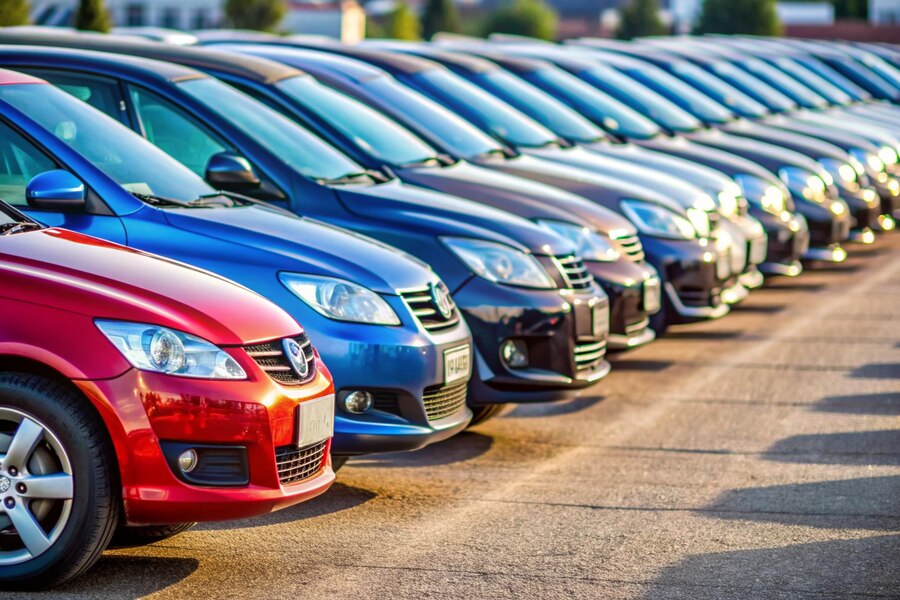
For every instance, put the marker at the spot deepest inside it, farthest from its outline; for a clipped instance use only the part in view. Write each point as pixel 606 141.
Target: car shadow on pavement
pixel 880 447
pixel 865 567
pixel 861 404
pixel 460 448
pixel 145 575
pixel 630 364
pixel 340 497
pixel 768 309
pixel 792 285
pixel 877 371
pixel 553 409
pixel 687 335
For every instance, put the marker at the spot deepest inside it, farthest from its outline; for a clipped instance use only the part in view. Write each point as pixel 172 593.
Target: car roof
pixel 468 62
pixel 256 69
pixel 313 61
pixel 391 61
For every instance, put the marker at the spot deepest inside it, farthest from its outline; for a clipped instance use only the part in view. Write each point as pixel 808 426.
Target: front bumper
pixel 688 270
pixel 634 293
pixel 143 408
pixel 788 241
pixel 566 352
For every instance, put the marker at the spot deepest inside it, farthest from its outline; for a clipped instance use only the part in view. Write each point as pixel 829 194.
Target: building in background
pixel 884 12
pixel 342 19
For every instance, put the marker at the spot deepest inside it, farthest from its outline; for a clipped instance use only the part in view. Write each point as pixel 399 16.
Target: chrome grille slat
pixel 589 355
pixel 573 272
pixel 637 327
pixel 631 246
pixel 271 359
pixel 298 464
pixel 442 401
pixel 426 311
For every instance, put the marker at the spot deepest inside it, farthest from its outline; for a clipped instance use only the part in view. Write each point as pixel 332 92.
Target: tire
pixel 53 430
pixel 663 318
pixel 482 413
pixel 337 462
pixel 141 535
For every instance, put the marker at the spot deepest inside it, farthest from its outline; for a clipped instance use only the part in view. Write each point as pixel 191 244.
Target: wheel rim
pixel 36 487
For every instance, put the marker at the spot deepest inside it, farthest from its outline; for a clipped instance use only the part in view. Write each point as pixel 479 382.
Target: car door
pixel 21 160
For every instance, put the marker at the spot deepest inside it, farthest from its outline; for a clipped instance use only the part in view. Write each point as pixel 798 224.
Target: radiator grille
pixel 574 273
pixel 588 356
pixel 271 358
pixel 630 246
pixel 297 464
pixel 443 401
pixel 424 304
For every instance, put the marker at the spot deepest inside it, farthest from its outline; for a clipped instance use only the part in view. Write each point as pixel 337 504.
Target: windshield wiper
pixel 374 176
pixel 11 228
pixel 492 152
pixel 162 200
pixel 200 201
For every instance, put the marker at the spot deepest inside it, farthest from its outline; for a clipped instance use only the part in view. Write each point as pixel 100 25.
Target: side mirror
pixel 230 172
pixel 55 190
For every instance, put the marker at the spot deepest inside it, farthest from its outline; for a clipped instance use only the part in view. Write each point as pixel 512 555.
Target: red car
pixel 138 395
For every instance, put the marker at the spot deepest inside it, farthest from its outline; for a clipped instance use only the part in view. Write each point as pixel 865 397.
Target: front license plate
pixel 652 293
pixel 457 364
pixel 758 251
pixel 316 421
pixel 723 264
pixel 601 321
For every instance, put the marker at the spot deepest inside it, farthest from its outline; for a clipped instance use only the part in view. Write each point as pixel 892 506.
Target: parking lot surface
pixel 753 457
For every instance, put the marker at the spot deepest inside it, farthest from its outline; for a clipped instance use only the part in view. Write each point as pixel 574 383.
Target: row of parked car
pixel 457 225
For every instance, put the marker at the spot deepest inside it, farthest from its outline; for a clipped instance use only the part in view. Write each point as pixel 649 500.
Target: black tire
pixel 482 413
pixel 69 423
pixel 338 461
pixel 141 535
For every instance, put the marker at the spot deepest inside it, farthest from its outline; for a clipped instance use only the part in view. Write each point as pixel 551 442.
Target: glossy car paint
pixel 251 245
pixel 410 218
pixel 55 283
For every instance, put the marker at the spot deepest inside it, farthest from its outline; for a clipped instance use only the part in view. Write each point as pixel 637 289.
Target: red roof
pixel 8 77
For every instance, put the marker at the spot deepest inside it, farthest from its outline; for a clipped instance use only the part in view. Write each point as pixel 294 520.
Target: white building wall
pixel 884 12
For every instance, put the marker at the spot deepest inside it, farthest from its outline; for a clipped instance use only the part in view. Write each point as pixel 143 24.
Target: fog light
pixel 514 354
pixel 358 402
pixel 187 460
pixel 887 222
pixel 839 255
pixel 837 208
pixel 868 237
pixel 871 197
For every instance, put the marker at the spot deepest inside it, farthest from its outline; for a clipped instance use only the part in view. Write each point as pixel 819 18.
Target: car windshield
pixel 637 96
pixel 828 74
pixel 783 83
pixel 130 160
pixel 829 91
pixel 744 81
pixel 599 107
pixel 727 94
pixel 365 127
pixel 484 110
pixel 546 110
pixel 862 76
pixel 682 94
pixel 458 137
pixel 297 147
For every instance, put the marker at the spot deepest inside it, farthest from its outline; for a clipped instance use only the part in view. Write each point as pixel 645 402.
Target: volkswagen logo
pixel 295 356
pixel 442 300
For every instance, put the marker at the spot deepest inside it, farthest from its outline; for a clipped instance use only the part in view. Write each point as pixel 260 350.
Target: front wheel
pixel 141 535
pixel 59 502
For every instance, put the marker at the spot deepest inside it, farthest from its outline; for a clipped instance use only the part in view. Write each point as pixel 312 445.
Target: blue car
pixel 381 319
pixel 539 320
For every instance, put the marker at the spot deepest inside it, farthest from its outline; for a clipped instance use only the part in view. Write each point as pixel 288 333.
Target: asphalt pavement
pixel 753 457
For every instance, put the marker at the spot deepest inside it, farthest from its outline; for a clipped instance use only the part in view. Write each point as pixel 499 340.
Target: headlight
pixel 164 350
pixel 730 200
pixel 700 220
pixel 340 300
pixel 839 170
pixel 654 219
pixel 500 263
pixel 888 155
pixel 590 244
pixel 804 183
pixel 762 192
pixel 868 159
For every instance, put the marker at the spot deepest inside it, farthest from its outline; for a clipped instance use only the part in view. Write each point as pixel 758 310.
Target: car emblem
pixel 442 300
pixel 296 357
pixel 4 484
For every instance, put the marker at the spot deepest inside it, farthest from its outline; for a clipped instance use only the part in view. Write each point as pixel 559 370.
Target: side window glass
pixel 100 92
pixel 20 161
pixel 175 132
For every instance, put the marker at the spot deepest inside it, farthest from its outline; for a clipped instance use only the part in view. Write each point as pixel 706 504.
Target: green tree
pixel 261 15
pixel 402 23
pixel 531 18
pixel 13 12
pixel 92 16
pixel 751 17
pixel 440 15
pixel 640 18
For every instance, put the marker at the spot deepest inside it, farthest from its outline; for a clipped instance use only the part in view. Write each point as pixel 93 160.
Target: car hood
pixel 529 199
pixel 800 142
pixel 769 155
pixel 289 243
pixel 415 208
pixel 726 161
pixel 68 271
pixel 683 192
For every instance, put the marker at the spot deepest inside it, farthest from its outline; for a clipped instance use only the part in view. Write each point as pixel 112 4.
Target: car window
pixel 20 160
pixel 174 131
pixel 100 92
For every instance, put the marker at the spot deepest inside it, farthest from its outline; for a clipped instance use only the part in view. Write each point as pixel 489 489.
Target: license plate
pixel 723 264
pixel 758 251
pixel 652 293
pixel 600 321
pixel 457 364
pixel 315 421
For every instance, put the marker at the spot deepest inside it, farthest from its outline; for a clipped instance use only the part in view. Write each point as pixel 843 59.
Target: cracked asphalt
pixel 753 457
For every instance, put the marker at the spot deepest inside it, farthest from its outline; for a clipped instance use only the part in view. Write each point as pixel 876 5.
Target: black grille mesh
pixel 297 464
pixel 443 401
